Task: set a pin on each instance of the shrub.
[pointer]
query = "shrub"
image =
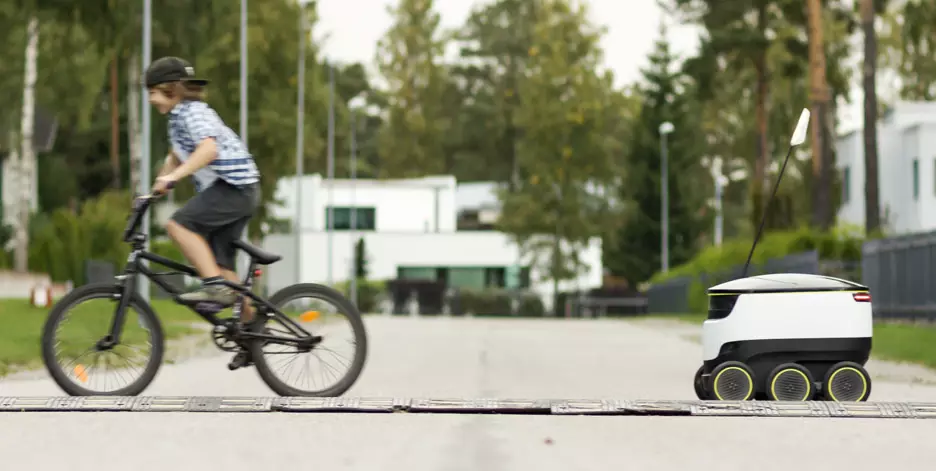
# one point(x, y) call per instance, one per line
point(62, 241)
point(369, 293)
point(498, 302)
point(531, 305)
point(485, 302)
point(840, 244)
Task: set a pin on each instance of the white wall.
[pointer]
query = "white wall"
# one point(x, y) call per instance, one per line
point(415, 205)
point(906, 133)
point(850, 155)
point(387, 251)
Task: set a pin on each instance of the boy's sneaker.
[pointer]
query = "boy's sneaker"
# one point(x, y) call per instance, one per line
point(211, 293)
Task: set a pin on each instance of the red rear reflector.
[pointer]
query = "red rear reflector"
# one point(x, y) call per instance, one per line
point(862, 297)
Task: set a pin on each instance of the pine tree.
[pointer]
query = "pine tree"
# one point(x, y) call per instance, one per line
point(637, 254)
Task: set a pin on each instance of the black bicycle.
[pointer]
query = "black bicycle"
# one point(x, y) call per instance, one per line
point(279, 324)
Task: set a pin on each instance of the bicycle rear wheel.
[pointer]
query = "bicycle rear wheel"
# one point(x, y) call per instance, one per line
point(325, 301)
point(141, 329)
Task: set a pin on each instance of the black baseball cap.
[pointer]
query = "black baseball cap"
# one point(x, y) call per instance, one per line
point(171, 69)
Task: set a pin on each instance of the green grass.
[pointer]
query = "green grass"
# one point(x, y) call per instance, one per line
point(21, 327)
point(893, 341)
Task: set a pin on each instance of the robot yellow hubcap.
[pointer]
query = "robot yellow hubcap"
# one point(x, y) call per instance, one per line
point(733, 383)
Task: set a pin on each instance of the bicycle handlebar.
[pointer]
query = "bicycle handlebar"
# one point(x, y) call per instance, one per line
point(140, 205)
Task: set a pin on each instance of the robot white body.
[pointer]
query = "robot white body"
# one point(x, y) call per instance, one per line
point(806, 324)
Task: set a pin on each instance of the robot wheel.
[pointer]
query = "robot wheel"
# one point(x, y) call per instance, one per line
point(846, 381)
point(732, 381)
point(790, 382)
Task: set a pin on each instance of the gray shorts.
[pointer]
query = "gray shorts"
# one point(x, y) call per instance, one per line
point(220, 214)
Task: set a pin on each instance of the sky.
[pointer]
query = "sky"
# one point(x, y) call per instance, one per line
point(353, 28)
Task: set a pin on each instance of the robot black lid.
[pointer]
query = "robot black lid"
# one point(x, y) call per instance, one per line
point(785, 283)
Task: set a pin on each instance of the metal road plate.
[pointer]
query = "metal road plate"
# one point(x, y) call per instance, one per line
point(202, 404)
point(504, 406)
point(589, 407)
point(644, 407)
point(339, 404)
point(925, 410)
point(66, 404)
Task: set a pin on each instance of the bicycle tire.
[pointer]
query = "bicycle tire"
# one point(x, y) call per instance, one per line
point(357, 324)
point(95, 291)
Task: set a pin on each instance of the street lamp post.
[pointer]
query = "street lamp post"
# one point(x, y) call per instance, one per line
point(300, 134)
point(665, 129)
point(145, 160)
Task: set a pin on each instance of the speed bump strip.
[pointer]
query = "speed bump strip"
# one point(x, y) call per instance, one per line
point(898, 410)
point(482, 406)
point(67, 404)
point(339, 404)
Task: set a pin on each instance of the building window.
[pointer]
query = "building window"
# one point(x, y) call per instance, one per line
point(916, 179)
point(846, 184)
point(365, 218)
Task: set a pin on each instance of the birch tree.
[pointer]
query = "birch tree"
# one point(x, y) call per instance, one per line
point(26, 160)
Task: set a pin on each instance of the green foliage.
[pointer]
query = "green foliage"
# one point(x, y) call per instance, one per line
point(566, 160)
point(62, 241)
point(840, 244)
point(369, 293)
point(907, 42)
point(493, 302)
point(408, 57)
point(360, 259)
point(167, 248)
point(637, 253)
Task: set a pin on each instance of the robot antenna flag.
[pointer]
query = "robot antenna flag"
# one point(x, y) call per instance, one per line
point(799, 136)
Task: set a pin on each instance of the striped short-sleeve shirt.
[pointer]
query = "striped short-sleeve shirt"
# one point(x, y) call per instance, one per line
point(191, 122)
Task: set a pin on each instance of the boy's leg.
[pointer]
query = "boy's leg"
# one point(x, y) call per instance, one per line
point(226, 255)
point(196, 225)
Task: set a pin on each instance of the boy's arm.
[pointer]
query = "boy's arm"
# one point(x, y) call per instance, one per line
point(205, 126)
point(204, 154)
point(170, 164)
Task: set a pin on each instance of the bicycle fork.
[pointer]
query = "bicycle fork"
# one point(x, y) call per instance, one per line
point(127, 283)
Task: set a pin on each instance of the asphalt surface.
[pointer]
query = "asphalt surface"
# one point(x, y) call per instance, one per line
point(471, 358)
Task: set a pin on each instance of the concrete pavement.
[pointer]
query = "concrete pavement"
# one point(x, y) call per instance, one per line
point(472, 358)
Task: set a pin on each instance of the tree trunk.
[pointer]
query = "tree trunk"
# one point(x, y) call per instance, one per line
point(27, 155)
point(763, 88)
point(819, 96)
point(759, 185)
point(133, 120)
point(872, 204)
point(115, 123)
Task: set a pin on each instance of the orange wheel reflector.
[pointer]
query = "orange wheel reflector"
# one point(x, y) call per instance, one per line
point(81, 373)
point(309, 316)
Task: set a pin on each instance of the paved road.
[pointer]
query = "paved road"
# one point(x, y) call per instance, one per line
point(471, 358)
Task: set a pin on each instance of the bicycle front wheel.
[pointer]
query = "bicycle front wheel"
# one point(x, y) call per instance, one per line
point(74, 357)
point(321, 311)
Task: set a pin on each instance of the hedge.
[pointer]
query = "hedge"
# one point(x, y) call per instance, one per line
point(839, 244)
point(842, 244)
point(368, 293)
point(494, 302)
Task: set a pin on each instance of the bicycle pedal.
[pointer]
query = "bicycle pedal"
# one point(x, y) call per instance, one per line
point(240, 360)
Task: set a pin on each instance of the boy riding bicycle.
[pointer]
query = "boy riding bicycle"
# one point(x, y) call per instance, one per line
point(226, 180)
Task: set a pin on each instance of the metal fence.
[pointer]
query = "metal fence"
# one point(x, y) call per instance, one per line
point(673, 296)
point(900, 272)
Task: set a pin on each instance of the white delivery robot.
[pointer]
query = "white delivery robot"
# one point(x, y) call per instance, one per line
point(788, 336)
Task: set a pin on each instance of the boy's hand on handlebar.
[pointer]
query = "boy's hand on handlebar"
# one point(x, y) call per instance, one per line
point(163, 184)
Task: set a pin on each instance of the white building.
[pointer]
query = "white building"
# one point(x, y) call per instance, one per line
point(410, 230)
point(906, 170)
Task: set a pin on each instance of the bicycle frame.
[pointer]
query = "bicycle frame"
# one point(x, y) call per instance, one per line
point(128, 279)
